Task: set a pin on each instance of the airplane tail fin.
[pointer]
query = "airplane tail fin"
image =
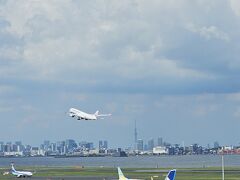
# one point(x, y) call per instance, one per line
point(120, 174)
point(12, 168)
point(96, 113)
point(171, 175)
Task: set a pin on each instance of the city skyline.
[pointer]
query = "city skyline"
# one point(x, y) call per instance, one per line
point(73, 148)
point(173, 66)
point(157, 141)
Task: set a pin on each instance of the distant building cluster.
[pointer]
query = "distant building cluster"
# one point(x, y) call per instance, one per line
point(70, 147)
point(164, 148)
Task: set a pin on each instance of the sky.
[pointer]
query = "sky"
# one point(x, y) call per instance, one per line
point(173, 66)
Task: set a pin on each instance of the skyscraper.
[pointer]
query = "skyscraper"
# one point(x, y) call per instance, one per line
point(140, 145)
point(160, 141)
point(216, 144)
point(105, 144)
point(71, 144)
point(135, 136)
point(151, 144)
point(1, 146)
point(100, 144)
point(46, 144)
point(19, 143)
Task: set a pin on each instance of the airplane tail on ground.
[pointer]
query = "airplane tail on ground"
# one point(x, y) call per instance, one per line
point(120, 174)
point(13, 169)
point(171, 175)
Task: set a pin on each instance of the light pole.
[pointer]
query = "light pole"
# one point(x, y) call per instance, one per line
point(222, 167)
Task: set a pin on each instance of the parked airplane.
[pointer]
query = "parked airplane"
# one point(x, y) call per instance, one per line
point(80, 115)
point(20, 174)
point(170, 176)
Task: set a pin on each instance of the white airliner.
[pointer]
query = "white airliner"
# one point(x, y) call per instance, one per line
point(20, 174)
point(170, 176)
point(80, 115)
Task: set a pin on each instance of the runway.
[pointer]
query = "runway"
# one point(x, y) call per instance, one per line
point(73, 178)
point(65, 178)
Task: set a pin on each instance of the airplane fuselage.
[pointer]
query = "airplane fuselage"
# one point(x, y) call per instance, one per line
point(81, 115)
point(22, 174)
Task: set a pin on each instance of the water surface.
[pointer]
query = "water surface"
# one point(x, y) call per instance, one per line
point(136, 162)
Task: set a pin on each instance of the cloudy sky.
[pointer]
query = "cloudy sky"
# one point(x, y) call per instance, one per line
point(171, 65)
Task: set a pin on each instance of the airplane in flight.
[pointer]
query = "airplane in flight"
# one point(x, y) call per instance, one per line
point(20, 174)
point(170, 176)
point(80, 115)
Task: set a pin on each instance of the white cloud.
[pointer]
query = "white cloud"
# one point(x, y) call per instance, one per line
point(235, 5)
point(22, 12)
point(210, 32)
point(98, 41)
point(108, 38)
point(137, 64)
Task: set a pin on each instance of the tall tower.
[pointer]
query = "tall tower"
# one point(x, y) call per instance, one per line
point(135, 136)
